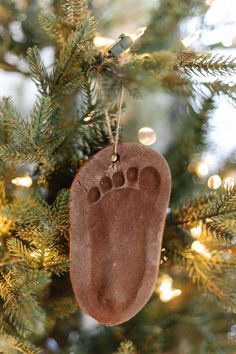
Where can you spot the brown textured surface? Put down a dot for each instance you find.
(117, 216)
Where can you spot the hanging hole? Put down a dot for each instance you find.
(115, 158)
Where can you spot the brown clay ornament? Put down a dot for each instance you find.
(117, 216)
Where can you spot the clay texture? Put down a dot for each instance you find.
(117, 216)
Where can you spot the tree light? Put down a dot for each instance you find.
(196, 231)
(22, 181)
(103, 41)
(201, 249)
(166, 291)
(147, 136)
(138, 33)
(202, 169)
(125, 42)
(214, 182)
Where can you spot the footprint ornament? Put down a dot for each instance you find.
(117, 216)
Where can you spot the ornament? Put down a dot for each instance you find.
(117, 216)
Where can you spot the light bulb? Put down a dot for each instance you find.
(201, 249)
(22, 181)
(138, 33)
(103, 41)
(202, 169)
(214, 182)
(147, 136)
(166, 291)
(196, 231)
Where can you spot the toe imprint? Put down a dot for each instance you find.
(132, 174)
(118, 179)
(93, 195)
(149, 180)
(105, 184)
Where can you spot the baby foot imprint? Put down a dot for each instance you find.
(116, 227)
(120, 211)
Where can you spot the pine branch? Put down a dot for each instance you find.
(9, 343)
(204, 63)
(74, 10)
(33, 141)
(3, 199)
(67, 74)
(20, 302)
(62, 307)
(53, 25)
(215, 274)
(37, 69)
(60, 212)
(126, 347)
(220, 205)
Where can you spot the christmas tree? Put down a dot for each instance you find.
(75, 115)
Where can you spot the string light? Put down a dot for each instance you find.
(25, 181)
(87, 119)
(103, 41)
(201, 249)
(166, 291)
(202, 169)
(125, 42)
(147, 136)
(214, 182)
(137, 34)
(196, 231)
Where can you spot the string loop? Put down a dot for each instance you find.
(113, 140)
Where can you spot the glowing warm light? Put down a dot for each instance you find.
(214, 182)
(35, 254)
(227, 42)
(138, 33)
(147, 136)
(22, 181)
(229, 182)
(87, 119)
(201, 249)
(103, 41)
(202, 169)
(166, 291)
(38, 253)
(196, 231)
